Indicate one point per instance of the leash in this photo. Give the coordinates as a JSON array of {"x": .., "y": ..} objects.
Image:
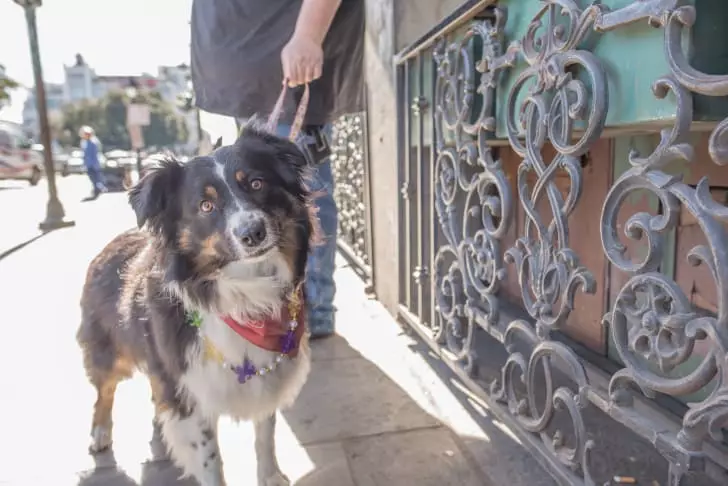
[{"x": 300, "y": 112}]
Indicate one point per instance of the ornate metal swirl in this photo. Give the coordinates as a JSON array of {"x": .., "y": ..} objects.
[
  {"x": 348, "y": 168},
  {"x": 472, "y": 195},
  {"x": 559, "y": 98},
  {"x": 561, "y": 90},
  {"x": 654, "y": 325}
]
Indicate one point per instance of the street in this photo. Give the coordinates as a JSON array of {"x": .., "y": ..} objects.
[{"x": 374, "y": 411}]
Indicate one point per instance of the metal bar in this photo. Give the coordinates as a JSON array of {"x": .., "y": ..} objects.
[
  {"x": 368, "y": 219},
  {"x": 401, "y": 243},
  {"x": 421, "y": 270},
  {"x": 405, "y": 188},
  {"x": 433, "y": 215}
]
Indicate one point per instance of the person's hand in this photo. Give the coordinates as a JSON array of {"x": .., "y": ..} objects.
[{"x": 302, "y": 60}]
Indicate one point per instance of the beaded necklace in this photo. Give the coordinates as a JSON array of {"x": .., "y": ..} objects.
[{"x": 247, "y": 369}]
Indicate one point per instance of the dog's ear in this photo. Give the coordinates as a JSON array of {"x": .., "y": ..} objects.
[
  {"x": 294, "y": 165},
  {"x": 155, "y": 197},
  {"x": 218, "y": 144}
]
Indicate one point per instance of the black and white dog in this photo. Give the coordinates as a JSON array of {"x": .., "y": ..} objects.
[{"x": 206, "y": 299}]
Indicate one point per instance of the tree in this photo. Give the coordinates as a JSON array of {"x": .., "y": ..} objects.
[
  {"x": 6, "y": 85},
  {"x": 108, "y": 118}
]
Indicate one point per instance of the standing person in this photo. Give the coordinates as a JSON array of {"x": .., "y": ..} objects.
[
  {"x": 242, "y": 50},
  {"x": 91, "y": 146}
]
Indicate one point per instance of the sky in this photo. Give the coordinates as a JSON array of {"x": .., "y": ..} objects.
[{"x": 115, "y": 37}]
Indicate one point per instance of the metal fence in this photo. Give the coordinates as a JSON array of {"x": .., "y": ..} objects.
[
  {"x": 457, "y": 205},
  {"x": 350, "y": 166}
]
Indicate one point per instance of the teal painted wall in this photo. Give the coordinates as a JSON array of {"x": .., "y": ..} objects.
[{"x": 633, "y": 58}]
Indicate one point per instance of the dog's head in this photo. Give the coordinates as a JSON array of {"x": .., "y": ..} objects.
[{"x": 237, "y": 208}]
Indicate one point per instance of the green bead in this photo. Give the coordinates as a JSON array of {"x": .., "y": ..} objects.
[{"x": 193, "y": 318}]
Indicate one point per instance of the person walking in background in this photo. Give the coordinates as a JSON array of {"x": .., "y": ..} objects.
[
  {"x": 242, "y": 50},
  {"x": 91, "y": 146}
]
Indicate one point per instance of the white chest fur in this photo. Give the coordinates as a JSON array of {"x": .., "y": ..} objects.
[
  {"x": 215, "y": 389},
  {"x": 251, "y": 288}
]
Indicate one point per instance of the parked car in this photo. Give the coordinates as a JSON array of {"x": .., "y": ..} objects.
[
  {"x": 74, "y": 164},
  {"x": 120, "y": 158},
  {"x": 60, "y": 158},
  {"x": 17, "y": 158}
]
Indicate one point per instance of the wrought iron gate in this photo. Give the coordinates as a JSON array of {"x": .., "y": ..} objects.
[
  {"x": 350, "y": 165},
  {"x": 457, "y": 206}
]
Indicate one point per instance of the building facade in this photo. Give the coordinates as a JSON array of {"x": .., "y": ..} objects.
[{"x": 55, "y": 99}]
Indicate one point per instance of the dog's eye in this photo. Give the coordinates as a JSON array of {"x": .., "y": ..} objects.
[
  {"x": 207, "y": 206},
  {"x": 256, "y": 184}
]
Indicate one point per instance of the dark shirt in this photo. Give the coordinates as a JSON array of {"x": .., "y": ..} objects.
[{"x": 236, "y": 59}]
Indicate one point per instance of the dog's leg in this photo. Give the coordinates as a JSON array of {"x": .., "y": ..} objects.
[
  {"x": 192, "y": 443},
  {"x": 101, "y": 426},
  {"x": 159, "y": 450},
  {"x": 269, "y": 474},
  {"x": 105, "y": 370}
]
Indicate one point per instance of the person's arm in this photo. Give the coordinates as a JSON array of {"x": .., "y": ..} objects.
[
  {"x": 315, "y": 18},
  {"x": 302, "y": 58}
]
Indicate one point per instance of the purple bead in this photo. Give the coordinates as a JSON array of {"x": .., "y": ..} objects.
[
  {"x": 246, "y": 371},
  {"x": 288, "y": 342}
]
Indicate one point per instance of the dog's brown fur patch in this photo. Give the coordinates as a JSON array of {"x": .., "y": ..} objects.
[
  {"x": 239, "y": 176},
  {"x": 211, "y": 192},
  {"x": 184, "y": 239},
  {"x": 209, "y": 246},
  {"x": 105, "y": 382},
  {"x": 158, "y": 395}
]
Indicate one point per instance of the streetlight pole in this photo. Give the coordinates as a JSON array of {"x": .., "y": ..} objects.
[{"x": 55, "y": 215}]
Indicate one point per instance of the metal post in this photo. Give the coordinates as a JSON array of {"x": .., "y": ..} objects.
[
  {"x": 139, "y": 162},
  {"x": 55, "y": 215}
]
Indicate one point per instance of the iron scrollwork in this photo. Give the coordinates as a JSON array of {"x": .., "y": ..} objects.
[
  {"x": 653, "y": 322},
  {"x": 472, "y": 194},
  {"x": 561, "y": 88},
  {"x": 561, "y": 98},
  {"x": 348, "y": 166}
]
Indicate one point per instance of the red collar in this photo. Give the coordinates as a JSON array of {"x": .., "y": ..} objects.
[{"x": 269, "y": 333}]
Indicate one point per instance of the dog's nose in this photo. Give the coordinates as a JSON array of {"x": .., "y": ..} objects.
[{"x": 252, "y": 233}]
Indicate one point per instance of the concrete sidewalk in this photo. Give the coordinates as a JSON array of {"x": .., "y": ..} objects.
[{"x": 377, "y": 409}]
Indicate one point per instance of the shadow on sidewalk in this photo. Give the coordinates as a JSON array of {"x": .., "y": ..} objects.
[
  {"x": 23, "y": 244},
  {"x": 158, "y": 471},
  {"x": 350, "y": 421},
  {"x": 358, "y": 426}
]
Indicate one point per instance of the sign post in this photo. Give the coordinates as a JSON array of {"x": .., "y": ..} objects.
[{"x": 137, "y": 116}]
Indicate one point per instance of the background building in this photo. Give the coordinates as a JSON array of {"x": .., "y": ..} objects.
[
  {"x": 82, "y": 83},
  {"x": 55, "y": 98}
]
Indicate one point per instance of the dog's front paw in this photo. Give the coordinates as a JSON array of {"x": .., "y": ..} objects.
[
  {"x": 100, "y": 439},
  {"x": 276, "y": 479}
]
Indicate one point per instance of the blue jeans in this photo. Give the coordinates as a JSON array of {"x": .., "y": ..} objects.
[
  {"x": 320, "y": 285},
  {"x": 97, "y": 178}
]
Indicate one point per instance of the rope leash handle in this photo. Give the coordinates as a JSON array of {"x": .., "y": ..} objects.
[{"x": 300, "y": 112}]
